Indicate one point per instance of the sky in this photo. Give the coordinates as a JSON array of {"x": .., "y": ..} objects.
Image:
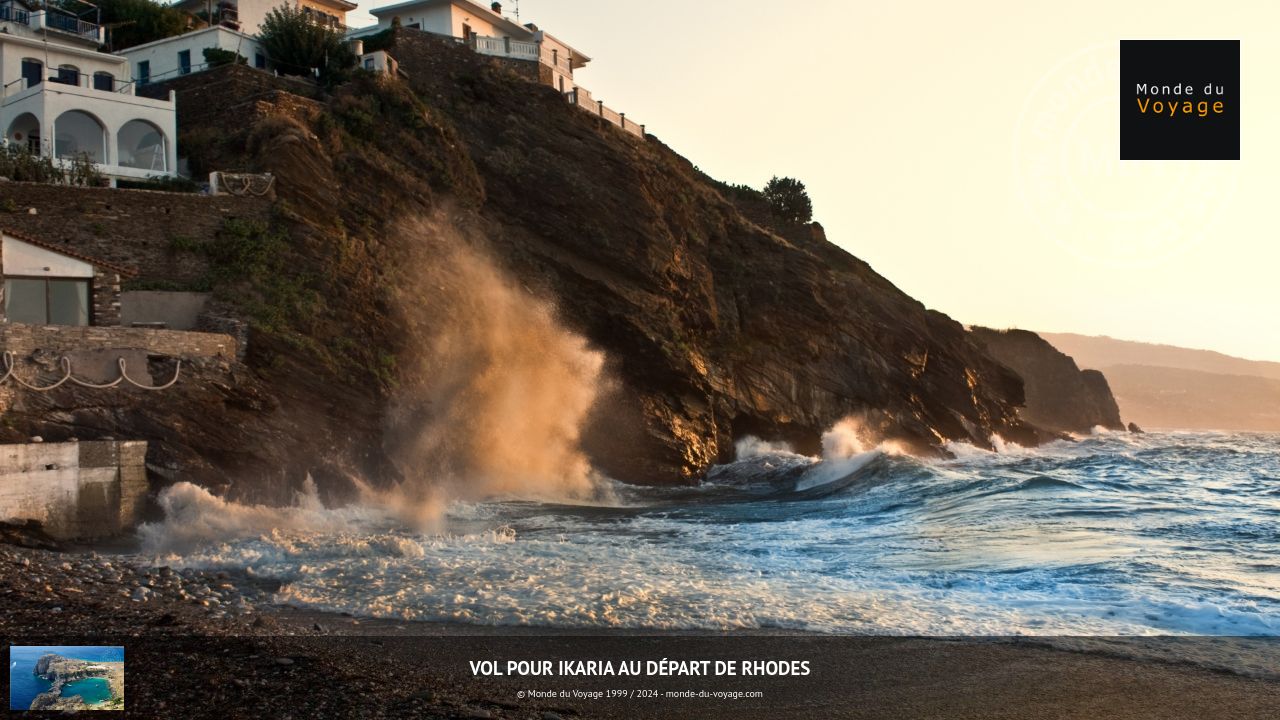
[{"x": 969, "y": 151}]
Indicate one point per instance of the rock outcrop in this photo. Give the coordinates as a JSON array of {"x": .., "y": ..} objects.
[
  {"x": 61, "y": 670},
  {"x": 1059, "y": 395},
  {"x": 715, "y": 320}
]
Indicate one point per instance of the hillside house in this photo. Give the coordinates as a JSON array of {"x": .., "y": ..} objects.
[
  {"x": 172, "y": 57},
  {"x": 45, "y": 284},
  {"x": 234, "y": 27},
  {"x": 488, "y": 32},
  {"x": 247, "y": 15},
  {"x": 61, "y": 97}
]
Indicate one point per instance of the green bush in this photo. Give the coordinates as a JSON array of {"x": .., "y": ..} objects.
[
  {"x": 19, "y": 163},
  {"x": 162, "y": 183},
  {"x": 297, "y": 46},
  {"x": 217, "y": 57}
]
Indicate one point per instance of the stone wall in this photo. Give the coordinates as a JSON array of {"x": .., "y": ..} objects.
[
  {"x": 214, "y": 92},
  {"x": 75, "y": 490},
  {"x": 141, "y": 229},
  {"x": 24, "y": 340},
  {"x": 106, "y": 298}
]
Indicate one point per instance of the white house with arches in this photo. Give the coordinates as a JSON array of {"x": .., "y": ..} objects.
[{"x": 62, "y": 98}]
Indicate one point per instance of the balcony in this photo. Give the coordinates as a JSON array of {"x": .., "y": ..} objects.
[
  {"x": 11, "y": 13},
  {"x": 65, "y": 22}
]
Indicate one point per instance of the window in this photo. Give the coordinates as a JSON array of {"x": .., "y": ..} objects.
[
  {"x": 144, "y": 72},
  {"x": 184, "y": 62},
  {"x": 47, "y": 301},
  {"x": 32, "y": 71},
  {"x": 260, "y": 61},
  {"x": 104, "y": 81},
  {"x": 68, "y": 75},
  {"x": 369, "y": 64}
]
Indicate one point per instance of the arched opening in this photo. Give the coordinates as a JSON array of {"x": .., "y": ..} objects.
[
  {"x": 139, "y": 144},
  {"x": 104, "y": 81},
  {"x": 24, "y": 131},
  {"x": 77, "y": 132}
]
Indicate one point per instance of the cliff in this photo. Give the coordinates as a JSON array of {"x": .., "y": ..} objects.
[
  {"x": 61, "y": 670},
  {"x": 710, "y": 320},
  {"x": 1060, "y": 396}
]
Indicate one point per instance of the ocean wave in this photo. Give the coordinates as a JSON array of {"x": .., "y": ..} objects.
[{"x": 1109, "y": 535}]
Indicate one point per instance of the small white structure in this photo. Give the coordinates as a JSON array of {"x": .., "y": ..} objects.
[
  {"x": 61, "y": 97},
  {"x": 247, "y": 15},
  {"x": 379, "y": 62},
  {"x": 488, "y": 31},
  {"x": 179, "y": 55}
]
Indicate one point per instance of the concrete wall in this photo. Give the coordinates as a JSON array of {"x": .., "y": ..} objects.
[
  {"x": 177, "y": 310},
  {"x": 75, "y": 490}
]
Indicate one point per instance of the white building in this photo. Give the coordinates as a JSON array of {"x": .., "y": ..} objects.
[
  {"x": 172, "y": 57},
  {"x": 488, "y": 32},
  {"x": 247, "y": 15},
  {"x": 234, "y": 28},
  {"x": 62, "y": 97}
]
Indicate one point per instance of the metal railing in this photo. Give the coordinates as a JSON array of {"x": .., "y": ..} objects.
[
  {"x": 9, "y": 13},
  {"x": 69, "y": 24}
]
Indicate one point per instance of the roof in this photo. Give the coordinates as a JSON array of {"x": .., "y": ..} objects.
[
  {"x": 202, "y": 4},
  {"x": 579, "y": 58},
  {"x": 62, "y": 250},
  {"x": 61, "y": 47},
  {"x": 186, "y": 36},
  {"x": 489, "y": 15}
]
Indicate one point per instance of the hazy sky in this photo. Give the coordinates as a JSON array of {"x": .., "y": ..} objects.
[{"x": 969, "y": 151}]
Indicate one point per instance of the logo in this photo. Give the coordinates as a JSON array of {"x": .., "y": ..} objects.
[{"x": 1179, "y": 99}]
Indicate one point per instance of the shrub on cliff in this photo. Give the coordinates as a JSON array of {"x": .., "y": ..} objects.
[
  {"x": 789, "y": 200},
  {"x": 135, "y": 22},
  {"x": 298, "y": 46},
  {"x": 217, "y": 57}
]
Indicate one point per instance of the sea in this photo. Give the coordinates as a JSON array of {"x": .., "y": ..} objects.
[
  {"x": 1110, "y": 534},
  {"x": 24, "y": 685}
]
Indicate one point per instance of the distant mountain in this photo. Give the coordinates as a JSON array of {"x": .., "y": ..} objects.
[
  {"x": 1163, "y": 386},
  {"x": 1160, "y": 397},
  {"x": 1102, "y": 352}
]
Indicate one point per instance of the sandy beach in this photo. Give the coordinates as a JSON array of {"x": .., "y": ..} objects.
[{"x": 237, "y": 655}]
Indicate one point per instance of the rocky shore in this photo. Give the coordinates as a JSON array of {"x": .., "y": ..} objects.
[{"x": 211, "y": 644}]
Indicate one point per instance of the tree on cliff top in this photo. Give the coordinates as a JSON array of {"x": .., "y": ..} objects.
[
  {"x": 135, "y": 22},
  {"x": 789, "y": 200},
  {"x": 298, "y": 46}
]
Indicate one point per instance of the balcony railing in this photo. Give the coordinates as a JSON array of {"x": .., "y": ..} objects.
[
  {"x": 69, "y": 24},
  {"x": 9, "y": 13},
  {"x": 505, "y": 47}
]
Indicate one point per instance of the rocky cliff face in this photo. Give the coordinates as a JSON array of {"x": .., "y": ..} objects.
[
  {"x": 1060, "y": 396},
  {"x": 714, "y": 321}
]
